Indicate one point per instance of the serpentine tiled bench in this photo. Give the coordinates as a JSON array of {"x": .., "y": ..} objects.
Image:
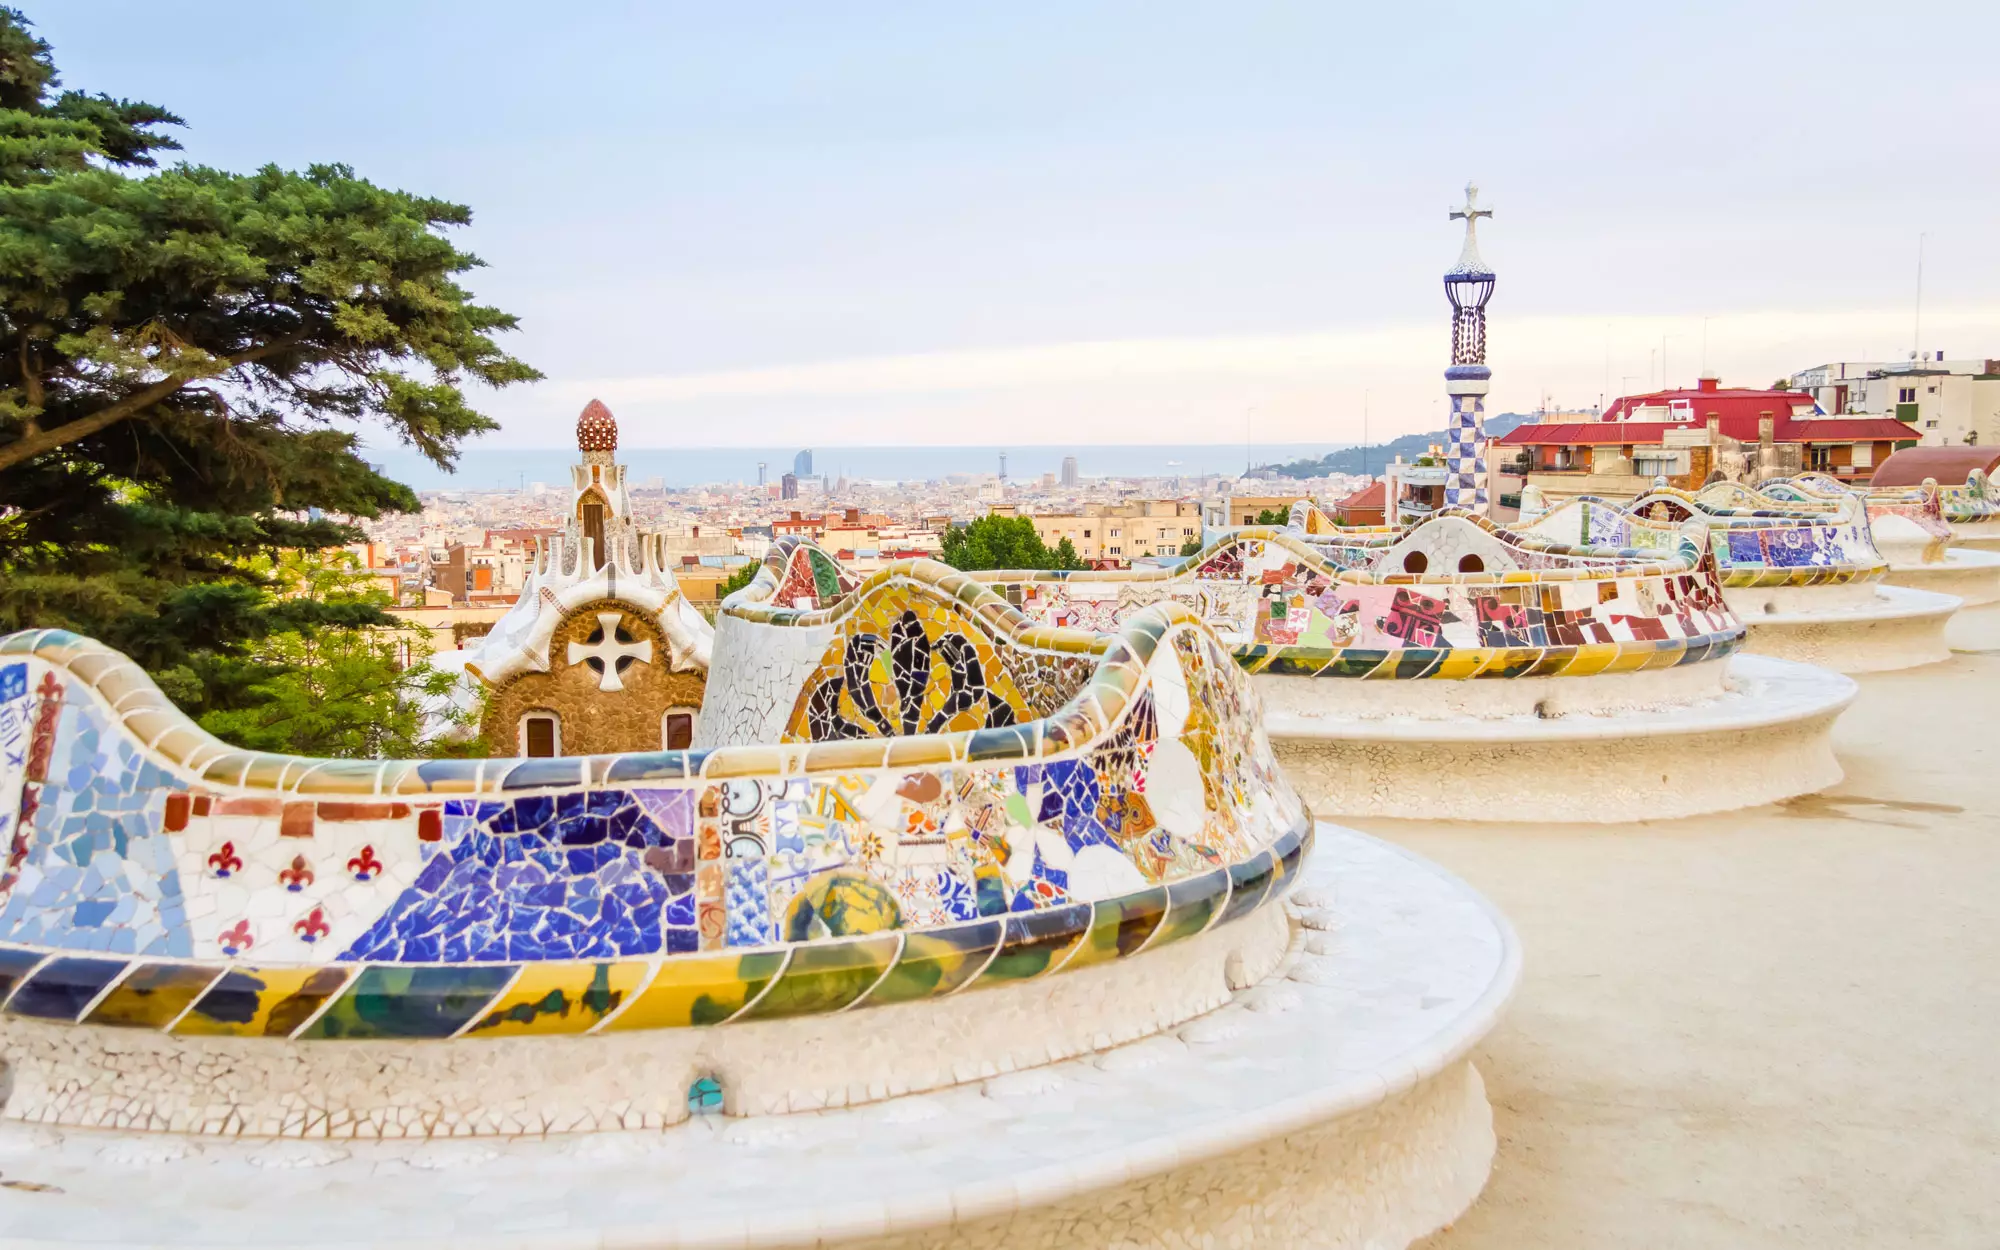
[
  {"x": 1000, "y": 845},
  {"x": 1972, "y": 509},
  {"x": 1467, "y": 670},
  {"x": 1911, "y": 531},
  {"x": 1024, "y": 924},
  {"x": 1806, "y": 579}
]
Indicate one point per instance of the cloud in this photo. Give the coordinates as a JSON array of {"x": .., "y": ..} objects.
[{"x": 1293, "y": 387}]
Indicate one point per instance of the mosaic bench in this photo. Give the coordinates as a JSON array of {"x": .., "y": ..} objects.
[
  {"x": 1074, "y": 840},
  {"x": 1972, "y": 508},
  {"x": 1482, "y": 668},
  {"x": 1805, "y": 578},
  {"x": 1911, "y": 531}
]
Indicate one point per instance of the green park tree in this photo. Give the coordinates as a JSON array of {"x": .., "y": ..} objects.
[
  {"x": 1001, "y": 542},
  {"x": 321, "y": 690},
  {"x": 186, "y": 358}
]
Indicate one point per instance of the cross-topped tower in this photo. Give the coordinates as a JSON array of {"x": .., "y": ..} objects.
[{"x": 1468, "y": 284}]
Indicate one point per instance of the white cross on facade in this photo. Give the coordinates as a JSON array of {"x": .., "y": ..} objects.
[{"x": 608, "y": 651}]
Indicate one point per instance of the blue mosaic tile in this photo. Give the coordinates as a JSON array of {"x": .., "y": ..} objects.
[
  {"x": 572, "y": 876},
  {"x": 100, "y": 873}
]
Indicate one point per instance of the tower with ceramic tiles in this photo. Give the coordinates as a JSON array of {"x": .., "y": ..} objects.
[
  {"x": 601, "y": 652},
  {"x": 1468, "y": 284}
]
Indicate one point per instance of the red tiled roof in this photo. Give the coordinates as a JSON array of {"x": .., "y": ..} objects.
[
  {"x": 1721, "y": 402},
  {"x": 1369, "y": 496},
  {"x": 1949, "y": 466},
  {"x": 1586, "y": 432},
  {"x": 1784, "y": 429}
]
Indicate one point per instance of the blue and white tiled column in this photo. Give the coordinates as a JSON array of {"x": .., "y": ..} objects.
[{"x": 1465, "y": 446}]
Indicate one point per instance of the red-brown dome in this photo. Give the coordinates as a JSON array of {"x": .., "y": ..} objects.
[{"x": 596, "y": 428}]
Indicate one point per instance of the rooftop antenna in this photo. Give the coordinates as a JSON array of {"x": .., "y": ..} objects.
[
  {"x": 1364, "y": 432},
  {"x": 1607, "y": 369},
  {"x": 1917, "y": 346}
]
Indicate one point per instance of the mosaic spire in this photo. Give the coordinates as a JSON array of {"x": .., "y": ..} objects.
[{"x": 1468, "y": 285}]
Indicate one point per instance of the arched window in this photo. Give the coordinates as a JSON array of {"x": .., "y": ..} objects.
[
  {"x": 541, "y": 735},
  {"x": 677, "y": 728},
  {"x": 1471, "y": 564},
  {"x": 590, "y": 511},
  {"x": 1415, "y": 562}
]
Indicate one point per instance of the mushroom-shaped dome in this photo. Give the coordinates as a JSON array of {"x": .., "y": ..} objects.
[{"x": 596, "y": 428}]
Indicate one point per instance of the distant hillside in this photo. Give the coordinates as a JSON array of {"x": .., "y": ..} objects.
[{"x": 1409, "y": 447}]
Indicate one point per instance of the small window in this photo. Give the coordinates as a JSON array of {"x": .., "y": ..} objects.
[
  {"x": 677, "y": 729},
  {"x": 1416, "y": 562},
  {"x": 1471, "y": 564},
  {"x": 541, "y": 736}
]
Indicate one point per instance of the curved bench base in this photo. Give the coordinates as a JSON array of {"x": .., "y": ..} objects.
[
  {"x": 1898, "y": 628},
  {"x": 1765, "y": 737},
  {"x": 1331, "y": 1105},
  {"x": 269, "y": 1087},
  {"x": 1969, "y": 574}
]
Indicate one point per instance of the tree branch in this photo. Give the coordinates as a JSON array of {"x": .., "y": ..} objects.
[
  {"x": 34, "y": 444},
  {"x": 31, "y": 385}
]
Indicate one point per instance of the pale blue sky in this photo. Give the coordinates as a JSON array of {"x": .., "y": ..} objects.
[{"x": 855, "y": 223}]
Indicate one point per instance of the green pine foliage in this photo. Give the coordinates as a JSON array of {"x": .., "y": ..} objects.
[
  {"x": 1003, "y": 542},
  {"x": 186, "y": 356},
  {"x": 345, "y": 693}
]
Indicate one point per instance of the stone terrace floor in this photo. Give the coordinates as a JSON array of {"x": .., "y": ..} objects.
[{"x": 1771, "y": 1028}]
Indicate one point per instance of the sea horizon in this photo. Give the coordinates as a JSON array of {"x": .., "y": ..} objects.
[{"x": 485, "y": 469}]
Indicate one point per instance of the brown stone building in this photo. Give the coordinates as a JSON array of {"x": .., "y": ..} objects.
[{"x": 602, "y": 652}]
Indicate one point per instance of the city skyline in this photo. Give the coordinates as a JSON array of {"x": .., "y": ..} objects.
[{"x": 817, "y": 229}]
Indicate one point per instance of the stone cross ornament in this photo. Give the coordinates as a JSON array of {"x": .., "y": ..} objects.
[{"x": 607, "y": 654}]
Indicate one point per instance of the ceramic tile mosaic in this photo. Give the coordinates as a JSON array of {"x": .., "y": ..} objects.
[
  {"x": 945, "y": 767},
  {"x": 1913, "y": 511},
  {"x": 1531, "y": 608},
  {"x": 1761, "y": 541}
]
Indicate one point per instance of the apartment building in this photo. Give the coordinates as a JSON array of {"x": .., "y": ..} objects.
[
  {"x": 1945, "y": 403},
  {"x": 1118, "y": 534}
]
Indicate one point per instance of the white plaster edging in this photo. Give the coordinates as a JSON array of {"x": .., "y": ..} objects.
[
  {"x": 1766, "y": 737},
  {"x": 1349, "y": 1068},
  {"x": 558, "y": 1083},
  {"x": 1970, "y": 574},
  {"x": 1896, "y": 627},
  {"x": 1981, "y": 533}
]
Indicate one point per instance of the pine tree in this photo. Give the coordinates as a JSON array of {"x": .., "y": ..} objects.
[{"x": 186, "y": 356}]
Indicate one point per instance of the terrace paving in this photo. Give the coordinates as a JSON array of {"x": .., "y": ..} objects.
[{"x": 1769, "y": 1028}]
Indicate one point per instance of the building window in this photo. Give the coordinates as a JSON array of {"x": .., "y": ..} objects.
[
  {"x": 1906, "y": 395},
  {"x": 677, "y": 729},
  {"x": 541, "y": 735},
  {"x": 1822, "y": 458}
]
